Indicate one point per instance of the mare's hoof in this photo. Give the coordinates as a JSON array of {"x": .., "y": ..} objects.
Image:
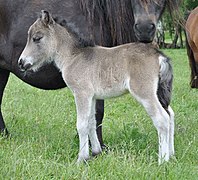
[
  {"x": 105, "y": 148},
  {"x": 5, "y": 134}
]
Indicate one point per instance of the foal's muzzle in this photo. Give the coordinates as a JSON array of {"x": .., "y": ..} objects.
[{"x": 23, "y": 65}]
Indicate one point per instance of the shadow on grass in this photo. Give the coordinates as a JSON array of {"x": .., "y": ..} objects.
[{"x": 130, "y": 138}]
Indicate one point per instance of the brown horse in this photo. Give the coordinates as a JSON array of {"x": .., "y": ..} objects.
[{"x": 192, "y": 45}]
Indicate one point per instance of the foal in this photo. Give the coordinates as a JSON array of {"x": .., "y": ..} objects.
[{"x": 98, "y": 73}]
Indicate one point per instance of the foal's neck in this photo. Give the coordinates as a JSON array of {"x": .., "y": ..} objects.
[{"x": 66, "y": 48}]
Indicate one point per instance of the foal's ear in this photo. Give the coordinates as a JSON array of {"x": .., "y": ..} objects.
[{"x": 46, "y": 18}]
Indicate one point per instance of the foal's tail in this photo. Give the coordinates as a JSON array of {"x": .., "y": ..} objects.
[{"x": 165, "y": 82}]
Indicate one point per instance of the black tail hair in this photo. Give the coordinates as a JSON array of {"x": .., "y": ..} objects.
[{"x": 165, "y": 82}]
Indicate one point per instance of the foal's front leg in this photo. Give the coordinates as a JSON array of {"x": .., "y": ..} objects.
[{"x": 83, "y": 105}]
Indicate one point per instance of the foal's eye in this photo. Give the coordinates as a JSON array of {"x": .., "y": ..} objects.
[{"x": 37, "y": 39}]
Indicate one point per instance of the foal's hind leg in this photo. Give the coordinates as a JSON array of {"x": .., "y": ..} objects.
[
  {"x": 161, "y": 121},
  {"x": 171, "y": 131}
]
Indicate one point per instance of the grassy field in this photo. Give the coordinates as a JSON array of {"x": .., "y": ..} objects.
[{"x": 44, "y": 143}]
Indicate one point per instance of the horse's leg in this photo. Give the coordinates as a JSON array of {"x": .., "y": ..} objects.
[
  {"x": 99, "y": 118},
  {"x": 193, "y": 57},
  {"x": 195, "y": 69},
  {"x": 83, "y": 108},
  {"x": 4, "y": 74},
  {"x": 95, "y": 144},
  {"x": 171, "y": 132},
  {"x": 161, "y": 121},
  {"x": 159, "y": 116}
]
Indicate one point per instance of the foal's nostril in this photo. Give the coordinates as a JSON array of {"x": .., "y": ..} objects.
[
  {"x": 27, "y": 66},
  {"x": 23, "y": 66},
  {"x": 20, "y": 63}
]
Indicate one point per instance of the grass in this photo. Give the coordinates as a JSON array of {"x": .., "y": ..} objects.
[{"x": 44, "y": 143}]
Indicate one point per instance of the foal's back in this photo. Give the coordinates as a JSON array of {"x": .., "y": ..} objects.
[{"x": 136, "y": 59}]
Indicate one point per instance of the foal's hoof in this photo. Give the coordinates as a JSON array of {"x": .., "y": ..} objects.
[
  {"x": 82, "y": 160},
  {"x": 95, "y": 154}
]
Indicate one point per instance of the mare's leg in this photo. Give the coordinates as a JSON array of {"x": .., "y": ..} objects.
[
  {"x": 99, "y": 118},
  {"x": 95, "y": 144},
  {"x": 171, "y": 131},
  {"x": 4, "y": 74},
  {"x": 83, "y": 108}
]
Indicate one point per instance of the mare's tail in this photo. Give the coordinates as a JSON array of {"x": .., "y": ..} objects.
[
  {"x": 165, "y": 82},
  {"x": 193, "y": 66}
]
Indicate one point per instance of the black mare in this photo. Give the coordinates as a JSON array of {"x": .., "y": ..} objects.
[{"x": 105, "y": 22}]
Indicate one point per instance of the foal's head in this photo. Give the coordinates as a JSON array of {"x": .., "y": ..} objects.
[{"x": 41, "y": 43}]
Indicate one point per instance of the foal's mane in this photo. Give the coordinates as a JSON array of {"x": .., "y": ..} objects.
[{"x": 80, "y": 41}]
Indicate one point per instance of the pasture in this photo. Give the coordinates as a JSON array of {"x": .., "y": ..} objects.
[{"x": 44, "y": 141}]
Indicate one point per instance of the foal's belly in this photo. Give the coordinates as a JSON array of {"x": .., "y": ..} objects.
[
  {"x": 110, "y": 91},
  {"x": 110, "y": 82}
]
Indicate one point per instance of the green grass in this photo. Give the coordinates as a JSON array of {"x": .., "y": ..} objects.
[{"x": 44, "y": 142}]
